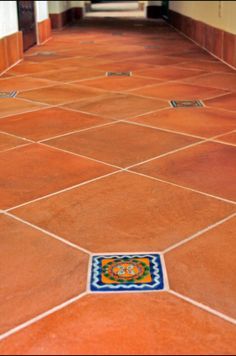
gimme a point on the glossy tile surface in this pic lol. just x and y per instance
(122, 144)
(73, 210)
(119, 106)
(34, 171)
(193, 266)
(43, 124)
(151, 218)
(36, 268)
(208, 167)
(176, 325)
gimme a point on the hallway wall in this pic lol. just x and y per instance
(43, 21)
(63, 12)
(10, 37)
(210, 23)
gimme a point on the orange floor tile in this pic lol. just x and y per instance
(117, 209)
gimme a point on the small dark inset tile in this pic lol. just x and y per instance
(117, 34)
(8, 94)
(141, 272)
(45, 53)
(186, 103)
(118, 74)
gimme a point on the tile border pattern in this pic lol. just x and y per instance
(147, 267)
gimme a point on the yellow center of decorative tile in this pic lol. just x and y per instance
(133, 270)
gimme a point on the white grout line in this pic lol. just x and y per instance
(14, 148)
(182, 186)
(19, 137)
(200, 232)
(78, 131)
(163, 129)
(165, 275)
(79, 155)
(204, 307)
(41, 316)
(62, 191)
(13, 65)
(224, 134)
(54, 236)
(167, 153)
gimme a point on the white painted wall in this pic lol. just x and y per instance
(220, 14)
(41, 10)
(8, 18)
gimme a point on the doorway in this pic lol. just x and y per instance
(120, 9)
(26, 19)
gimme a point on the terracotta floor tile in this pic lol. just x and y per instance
(119, 106)
(175, 328)
(209, 167)
(37, 272)
(203, 269)
(23, 83)
(207, 65)
(122, 144)
(61, 94)
(27, 68)
(43, 124)
(7, 142)
(204, 122)
(161, 60)
(169, 73)
(68, 75)
(215, 80)
(14, 106)
(119, 83)
(150, 220)
(227, 102)
(123, 66)
(229, 138)
(33, 171)
(179, 91)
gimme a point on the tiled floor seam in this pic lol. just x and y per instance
(78, 155)
(48, 233)
(41, 316)
(14, 148)
(78, 131)
(182, 186)
(61, 191)
(198, 233)
(203, 307)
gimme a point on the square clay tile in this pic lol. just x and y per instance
(119, 106)
(27, 68)
(178, 91)
(43, 124)
(122, 144)
(23, 83)
(125, 213)
(156, 323)
(8, 141)
(69, 75)
(229, 138)
(207, 66)
(14, 106)
(224, 81)
(33, 171)
(35, 268)
(128, 65)
(227, 102)
(169, 73)
(120, 83)
(208, 167)
(61, 94)
(125, 273)
(204, 122)
(210, 264)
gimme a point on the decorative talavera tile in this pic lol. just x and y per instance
(141, 272)
(8, 94)
(186, 103)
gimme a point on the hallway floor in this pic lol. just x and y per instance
(118, 212)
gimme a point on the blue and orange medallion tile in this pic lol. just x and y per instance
(141, 272)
